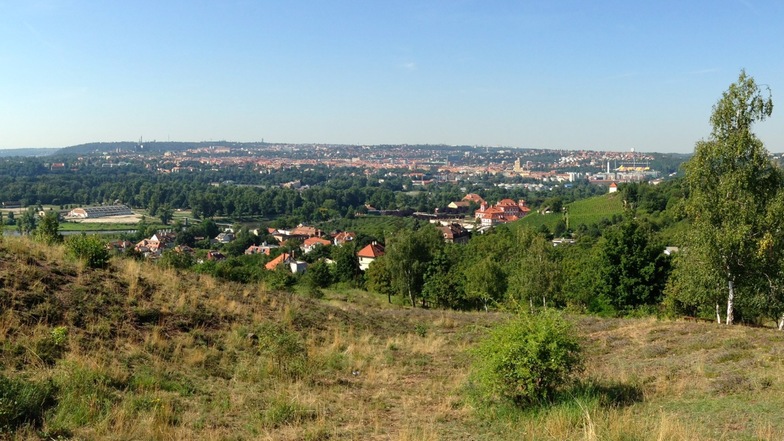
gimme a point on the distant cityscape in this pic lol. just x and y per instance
(424, 163)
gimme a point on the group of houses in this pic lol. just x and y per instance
(311, 238)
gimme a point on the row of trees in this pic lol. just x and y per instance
(623, 271)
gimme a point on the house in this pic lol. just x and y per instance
(215, 255)
(150, 247)
(166, 237)
(454, 233)
(304, 232)
(301, 232)
(120, 246)
(475, 198)
(613, 188)
(459, 206)
(506, 210)
(264, 248)
(369, 254)
(294, 265)
(184, 249)
(224, 237)
(298, 266)
(272, 264)
(343, 237)
(311, 243)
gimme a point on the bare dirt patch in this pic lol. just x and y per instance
(109, 220)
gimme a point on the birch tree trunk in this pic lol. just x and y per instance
(718, 314)
(730, 302)
(781, 323)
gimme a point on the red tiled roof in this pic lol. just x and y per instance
(311, 241)
(344, 237)
(272, 264)
(371, 251)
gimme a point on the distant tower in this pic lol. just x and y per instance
(517, 168)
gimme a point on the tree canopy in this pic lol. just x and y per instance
(735, 200)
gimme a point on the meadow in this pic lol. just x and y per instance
(135, 351)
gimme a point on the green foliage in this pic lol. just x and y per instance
(47, 230)
(319, 275)
(285, 350)
(89, 249)
(284, 411)
(23, 402)
(736, 205)
(346, 267)
(408, 254)
(486, 282)
(633, 268)
(378, 278)
(527, 360)
(445, 281)
(537, 278)
(280, 279)
(176, 259)
(52, 347)
(27, 221)
(165, 213)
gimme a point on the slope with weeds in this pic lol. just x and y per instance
(137, 352)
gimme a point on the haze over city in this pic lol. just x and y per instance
(567, 75)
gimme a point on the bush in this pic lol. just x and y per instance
(53, 346)
(526, 360)
(89, 249)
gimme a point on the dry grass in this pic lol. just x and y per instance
(155, 354)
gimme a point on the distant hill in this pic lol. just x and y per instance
(27, 152)
(145, 146)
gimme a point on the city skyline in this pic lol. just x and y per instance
(600, 76)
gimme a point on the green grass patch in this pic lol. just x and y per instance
(586, 211)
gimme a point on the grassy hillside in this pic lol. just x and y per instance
(135, 352)
(585, 211)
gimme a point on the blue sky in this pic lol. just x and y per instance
(541, 74)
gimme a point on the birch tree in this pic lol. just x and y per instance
(408, 255)
(733, 187)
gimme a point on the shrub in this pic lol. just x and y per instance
(89, 249)
(285, 349)
(53, 346)
(527, 359)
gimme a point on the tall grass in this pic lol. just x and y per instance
(149, 353)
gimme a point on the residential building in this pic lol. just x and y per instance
(311, 243)
(369, 254)
(454, 233)
(344, 237)
(506, 210)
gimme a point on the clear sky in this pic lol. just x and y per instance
(541, 74)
